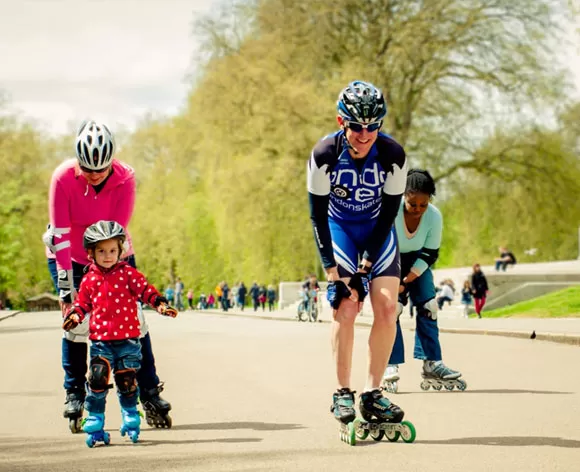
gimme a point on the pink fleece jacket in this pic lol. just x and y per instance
(74, 205)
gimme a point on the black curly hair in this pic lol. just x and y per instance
(420, 181)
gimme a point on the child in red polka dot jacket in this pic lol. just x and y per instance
(109, 293)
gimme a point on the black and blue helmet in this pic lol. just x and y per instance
(361, 102)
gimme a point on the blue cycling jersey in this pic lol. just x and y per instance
(362, 194)
(356, 195)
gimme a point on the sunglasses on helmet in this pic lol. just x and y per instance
(358, 127)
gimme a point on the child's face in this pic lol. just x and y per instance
(106, 253)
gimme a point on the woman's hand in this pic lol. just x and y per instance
(64, 307)
(410, 278)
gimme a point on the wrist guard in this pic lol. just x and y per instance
(66, 289)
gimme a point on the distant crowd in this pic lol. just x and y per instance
(223, 297)
(475, 288)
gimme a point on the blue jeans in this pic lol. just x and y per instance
(74, 355)
(427, 344)
(123, 354)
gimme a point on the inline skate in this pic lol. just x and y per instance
(131, 423)
(391, 378)
(94, 426)
(73, 409)
(382, 418)
(437, 375)
(156, 408)
(343, 410)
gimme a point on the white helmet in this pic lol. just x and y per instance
(95, 145)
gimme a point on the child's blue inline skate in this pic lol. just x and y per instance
(131, 423)
(382, 418)
(94, 425)
(343, 409)
(437, 375)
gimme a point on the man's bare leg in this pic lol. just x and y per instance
(384, 296)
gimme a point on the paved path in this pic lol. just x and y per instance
(252, 394)
(564, 330)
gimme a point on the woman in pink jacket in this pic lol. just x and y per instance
(93, 187)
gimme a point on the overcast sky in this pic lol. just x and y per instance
(114, 60)
(65, 60)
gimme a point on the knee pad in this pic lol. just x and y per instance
(429, 309)
(99, 374)
(126, 381)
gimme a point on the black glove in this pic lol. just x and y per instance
(335, 292)
(66, 289)
(360, 282)
(159, 300)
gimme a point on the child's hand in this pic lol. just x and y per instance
(71, 321)
(167, 310)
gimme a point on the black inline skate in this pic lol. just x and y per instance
(156, 408)
(343, 405)
(343, 410)
(382, 418)
(73, 409)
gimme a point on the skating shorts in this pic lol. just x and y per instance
(349, 242)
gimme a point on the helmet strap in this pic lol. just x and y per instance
(347, 142)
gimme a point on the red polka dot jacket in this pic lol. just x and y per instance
(110, 297)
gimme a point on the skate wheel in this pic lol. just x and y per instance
(134, 436)
(90, 441)
(361, 432)
(461, 385)
(391, 386)
(106, 438)
(347, 433)
(449, 387)
(351, 434)
(424, 385)
(377, 434)
(75, 425)
(168, 422)
(408, 432)
(437, 387)
(392, 435)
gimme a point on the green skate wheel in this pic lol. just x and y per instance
(351, 437)
(392, 435)
(377, 435)
(408, 433)
(361, 432)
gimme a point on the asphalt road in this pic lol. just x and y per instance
(254, 395)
